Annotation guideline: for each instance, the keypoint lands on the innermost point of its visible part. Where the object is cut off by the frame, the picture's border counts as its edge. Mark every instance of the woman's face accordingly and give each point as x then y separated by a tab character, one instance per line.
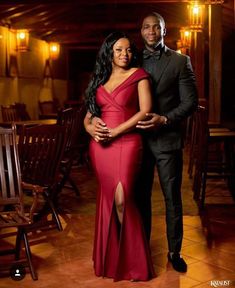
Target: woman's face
122	53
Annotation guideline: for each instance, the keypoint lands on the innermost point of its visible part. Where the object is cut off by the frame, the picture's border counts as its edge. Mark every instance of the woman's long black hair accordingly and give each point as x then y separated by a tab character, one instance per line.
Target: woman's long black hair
103	69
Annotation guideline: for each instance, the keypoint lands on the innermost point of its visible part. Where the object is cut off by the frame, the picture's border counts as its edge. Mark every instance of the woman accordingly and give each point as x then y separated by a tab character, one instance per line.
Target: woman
118	93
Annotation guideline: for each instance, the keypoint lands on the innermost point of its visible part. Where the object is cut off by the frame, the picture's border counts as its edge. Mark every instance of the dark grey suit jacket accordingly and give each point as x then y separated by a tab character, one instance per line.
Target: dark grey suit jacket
174	96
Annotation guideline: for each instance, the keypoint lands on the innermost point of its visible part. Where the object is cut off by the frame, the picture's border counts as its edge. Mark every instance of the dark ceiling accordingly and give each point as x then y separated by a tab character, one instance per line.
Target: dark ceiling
85	23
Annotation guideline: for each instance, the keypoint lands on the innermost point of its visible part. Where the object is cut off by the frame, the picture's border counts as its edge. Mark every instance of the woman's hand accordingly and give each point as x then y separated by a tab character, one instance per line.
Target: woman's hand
96	127
113	133
100	132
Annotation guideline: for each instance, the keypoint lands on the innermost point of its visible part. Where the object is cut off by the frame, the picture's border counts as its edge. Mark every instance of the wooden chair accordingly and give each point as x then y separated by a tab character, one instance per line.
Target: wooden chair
192	142
213	154
9	113
15	112
12	212
22	111
198	119
48	109
41	149
197	150
83	139
72	118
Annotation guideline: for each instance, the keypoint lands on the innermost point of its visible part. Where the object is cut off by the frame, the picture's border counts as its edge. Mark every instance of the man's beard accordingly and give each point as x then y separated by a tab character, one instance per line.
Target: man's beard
154	45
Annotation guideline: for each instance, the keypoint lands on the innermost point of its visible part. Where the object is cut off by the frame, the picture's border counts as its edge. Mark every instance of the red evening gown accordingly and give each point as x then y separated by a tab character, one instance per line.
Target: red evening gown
120	252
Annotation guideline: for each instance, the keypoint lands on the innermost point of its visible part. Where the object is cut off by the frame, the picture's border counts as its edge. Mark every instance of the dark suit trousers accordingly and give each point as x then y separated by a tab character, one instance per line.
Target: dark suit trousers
169	167
143	189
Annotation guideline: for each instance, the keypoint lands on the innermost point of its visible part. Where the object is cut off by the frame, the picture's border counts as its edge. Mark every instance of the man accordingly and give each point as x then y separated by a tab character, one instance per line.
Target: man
175	98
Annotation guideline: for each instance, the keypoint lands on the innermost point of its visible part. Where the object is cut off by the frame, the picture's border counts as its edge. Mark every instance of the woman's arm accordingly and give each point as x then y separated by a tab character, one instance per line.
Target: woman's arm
88	125
145	105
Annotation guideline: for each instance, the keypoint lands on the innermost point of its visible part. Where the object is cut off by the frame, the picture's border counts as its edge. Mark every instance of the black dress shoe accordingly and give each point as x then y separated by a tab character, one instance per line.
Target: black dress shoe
177	262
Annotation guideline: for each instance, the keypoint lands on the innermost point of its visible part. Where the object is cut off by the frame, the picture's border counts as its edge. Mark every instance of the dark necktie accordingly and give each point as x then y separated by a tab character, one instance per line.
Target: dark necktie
147	54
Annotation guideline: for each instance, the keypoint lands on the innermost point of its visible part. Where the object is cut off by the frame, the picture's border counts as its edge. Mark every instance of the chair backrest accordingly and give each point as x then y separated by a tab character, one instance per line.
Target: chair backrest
11	196
201	134
73	118
70	118
22	111
83	136
47	107
9	113
202	127
41	148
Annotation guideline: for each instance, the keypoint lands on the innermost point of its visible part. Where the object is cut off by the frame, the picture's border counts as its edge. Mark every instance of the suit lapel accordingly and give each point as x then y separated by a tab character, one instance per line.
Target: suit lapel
162	63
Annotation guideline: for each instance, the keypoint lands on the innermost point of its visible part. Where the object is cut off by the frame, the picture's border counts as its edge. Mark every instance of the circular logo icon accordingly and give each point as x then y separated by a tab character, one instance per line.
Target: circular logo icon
17	272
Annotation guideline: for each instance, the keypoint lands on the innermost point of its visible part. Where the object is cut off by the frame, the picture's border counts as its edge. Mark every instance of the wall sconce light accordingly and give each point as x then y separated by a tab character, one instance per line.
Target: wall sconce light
196	16
22	40
185	37
179	46
54	50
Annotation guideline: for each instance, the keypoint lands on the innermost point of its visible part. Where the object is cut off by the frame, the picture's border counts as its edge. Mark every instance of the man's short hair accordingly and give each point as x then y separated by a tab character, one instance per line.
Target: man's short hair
158	16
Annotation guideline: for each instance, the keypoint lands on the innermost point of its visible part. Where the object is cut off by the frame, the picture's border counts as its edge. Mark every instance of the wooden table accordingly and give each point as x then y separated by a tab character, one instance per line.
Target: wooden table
48	116
35	122
29	123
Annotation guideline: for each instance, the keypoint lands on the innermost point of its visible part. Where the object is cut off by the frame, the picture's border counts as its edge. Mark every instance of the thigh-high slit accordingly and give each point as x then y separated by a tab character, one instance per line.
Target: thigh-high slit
121	250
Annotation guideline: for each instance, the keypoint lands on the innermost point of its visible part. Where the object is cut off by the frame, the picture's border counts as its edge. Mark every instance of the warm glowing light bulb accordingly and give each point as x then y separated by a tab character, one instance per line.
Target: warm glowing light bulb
195	10
22	40
54	48
186	33
22	35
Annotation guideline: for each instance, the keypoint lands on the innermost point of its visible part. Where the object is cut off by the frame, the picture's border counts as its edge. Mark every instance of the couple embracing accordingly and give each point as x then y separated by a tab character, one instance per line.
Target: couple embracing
135	117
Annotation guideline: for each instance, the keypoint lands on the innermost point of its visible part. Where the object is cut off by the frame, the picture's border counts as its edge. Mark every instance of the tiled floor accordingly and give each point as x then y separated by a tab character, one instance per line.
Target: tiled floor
63	259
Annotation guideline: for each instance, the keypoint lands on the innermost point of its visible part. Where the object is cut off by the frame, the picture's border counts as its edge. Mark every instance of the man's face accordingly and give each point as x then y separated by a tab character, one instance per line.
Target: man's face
152	31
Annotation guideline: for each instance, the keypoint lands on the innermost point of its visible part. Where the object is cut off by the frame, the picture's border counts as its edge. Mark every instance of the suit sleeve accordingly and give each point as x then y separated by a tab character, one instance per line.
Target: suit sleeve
187	93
